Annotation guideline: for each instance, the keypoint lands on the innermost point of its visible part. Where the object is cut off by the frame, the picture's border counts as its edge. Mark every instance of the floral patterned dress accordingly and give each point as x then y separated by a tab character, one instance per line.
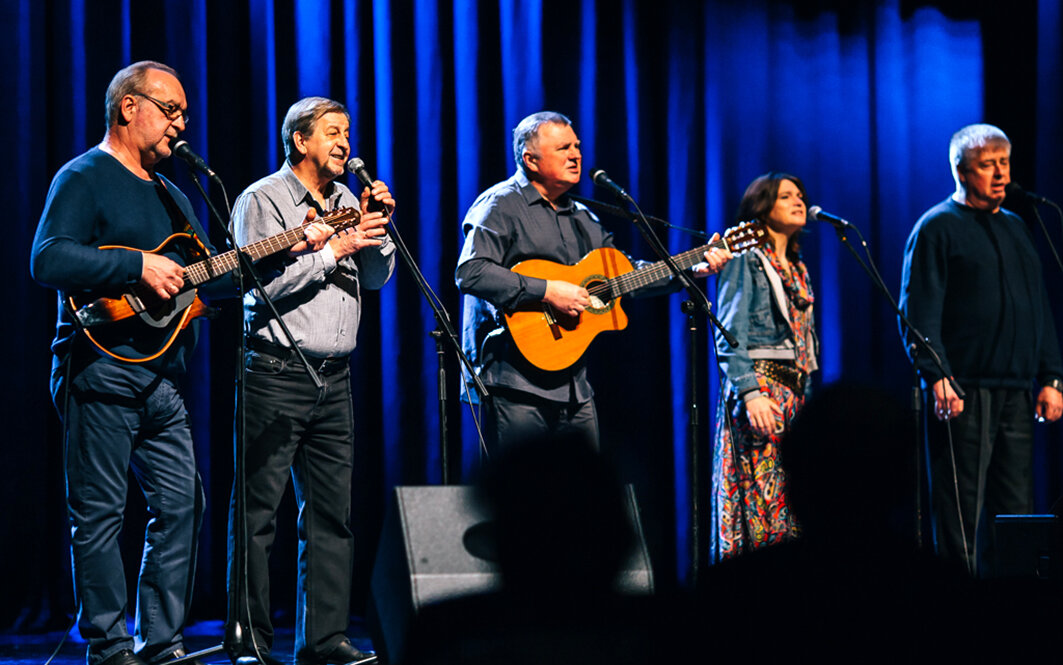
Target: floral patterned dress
752	500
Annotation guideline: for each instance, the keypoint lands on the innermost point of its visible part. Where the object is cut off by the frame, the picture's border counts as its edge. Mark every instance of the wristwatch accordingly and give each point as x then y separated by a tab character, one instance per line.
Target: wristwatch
1054	382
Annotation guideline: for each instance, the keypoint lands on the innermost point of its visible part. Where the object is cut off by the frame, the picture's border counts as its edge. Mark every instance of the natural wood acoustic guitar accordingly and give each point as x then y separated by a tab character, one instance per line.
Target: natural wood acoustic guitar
553	341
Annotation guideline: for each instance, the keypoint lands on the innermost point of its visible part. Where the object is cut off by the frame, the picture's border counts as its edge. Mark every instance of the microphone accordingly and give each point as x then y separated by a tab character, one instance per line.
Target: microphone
184	151
357	167
603	180
820	215
1015	189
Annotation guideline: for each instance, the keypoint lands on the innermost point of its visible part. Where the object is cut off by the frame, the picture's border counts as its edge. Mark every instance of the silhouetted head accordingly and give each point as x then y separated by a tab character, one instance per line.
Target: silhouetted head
560	520
849	458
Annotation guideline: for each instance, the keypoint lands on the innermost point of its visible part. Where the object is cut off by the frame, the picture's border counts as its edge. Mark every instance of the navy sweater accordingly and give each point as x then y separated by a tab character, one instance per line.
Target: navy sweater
972	284
94	201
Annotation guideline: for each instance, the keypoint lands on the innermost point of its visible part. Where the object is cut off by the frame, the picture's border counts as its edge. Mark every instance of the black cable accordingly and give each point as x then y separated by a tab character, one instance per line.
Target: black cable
66	442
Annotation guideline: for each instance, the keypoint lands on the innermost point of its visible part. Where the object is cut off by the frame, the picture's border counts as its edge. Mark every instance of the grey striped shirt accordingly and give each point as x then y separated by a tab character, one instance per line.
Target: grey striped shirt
319	299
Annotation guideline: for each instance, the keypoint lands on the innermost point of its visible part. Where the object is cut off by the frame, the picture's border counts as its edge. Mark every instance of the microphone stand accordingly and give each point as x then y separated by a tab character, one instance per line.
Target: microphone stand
919	343
443	331
623	213
234	635
1044	229
696	301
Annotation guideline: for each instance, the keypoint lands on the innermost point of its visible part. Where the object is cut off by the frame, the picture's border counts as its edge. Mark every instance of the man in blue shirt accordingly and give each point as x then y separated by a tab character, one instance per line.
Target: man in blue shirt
530	216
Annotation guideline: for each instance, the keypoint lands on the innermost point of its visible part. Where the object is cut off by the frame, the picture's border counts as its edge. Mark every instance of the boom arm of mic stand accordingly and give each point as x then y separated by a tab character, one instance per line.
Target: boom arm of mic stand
617	211
696	295
1044	229
444	331
440	314
921	341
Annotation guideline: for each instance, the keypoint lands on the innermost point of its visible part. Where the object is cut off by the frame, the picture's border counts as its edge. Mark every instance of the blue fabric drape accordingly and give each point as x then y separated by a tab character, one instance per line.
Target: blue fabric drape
683	103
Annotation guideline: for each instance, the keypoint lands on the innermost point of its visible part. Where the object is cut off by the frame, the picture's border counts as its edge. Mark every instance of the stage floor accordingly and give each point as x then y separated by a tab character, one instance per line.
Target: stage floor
34	649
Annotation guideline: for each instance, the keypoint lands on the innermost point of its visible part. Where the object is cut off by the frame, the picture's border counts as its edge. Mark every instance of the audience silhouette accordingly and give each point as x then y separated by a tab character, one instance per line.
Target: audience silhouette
562	534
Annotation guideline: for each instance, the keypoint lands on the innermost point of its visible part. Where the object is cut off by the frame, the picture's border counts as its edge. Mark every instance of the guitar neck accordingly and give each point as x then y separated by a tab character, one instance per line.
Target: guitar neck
636	279
220	264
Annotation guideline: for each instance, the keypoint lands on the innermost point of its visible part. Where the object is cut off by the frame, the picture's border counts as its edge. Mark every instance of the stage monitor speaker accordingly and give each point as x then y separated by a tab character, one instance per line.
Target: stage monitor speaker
1028	546
432	548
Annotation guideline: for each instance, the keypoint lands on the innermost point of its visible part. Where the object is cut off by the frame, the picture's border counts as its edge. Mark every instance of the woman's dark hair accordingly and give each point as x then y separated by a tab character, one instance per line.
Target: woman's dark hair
759	199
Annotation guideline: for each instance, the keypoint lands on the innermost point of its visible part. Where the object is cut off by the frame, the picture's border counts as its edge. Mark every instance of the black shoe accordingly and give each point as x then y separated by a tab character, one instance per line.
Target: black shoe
123	657
251	659
344	654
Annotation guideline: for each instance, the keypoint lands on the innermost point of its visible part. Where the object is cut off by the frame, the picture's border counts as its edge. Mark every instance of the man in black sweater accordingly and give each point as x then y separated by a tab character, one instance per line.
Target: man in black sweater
972	285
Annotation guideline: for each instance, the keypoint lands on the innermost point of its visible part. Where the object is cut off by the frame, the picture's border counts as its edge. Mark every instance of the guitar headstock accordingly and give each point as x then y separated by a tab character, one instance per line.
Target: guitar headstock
745	236
342	218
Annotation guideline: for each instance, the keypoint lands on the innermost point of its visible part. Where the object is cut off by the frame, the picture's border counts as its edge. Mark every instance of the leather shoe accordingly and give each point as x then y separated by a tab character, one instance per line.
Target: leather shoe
267	659
123	657
345	653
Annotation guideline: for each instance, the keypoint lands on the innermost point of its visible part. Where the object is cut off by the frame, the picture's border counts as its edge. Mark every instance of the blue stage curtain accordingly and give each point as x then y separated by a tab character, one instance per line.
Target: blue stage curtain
684	103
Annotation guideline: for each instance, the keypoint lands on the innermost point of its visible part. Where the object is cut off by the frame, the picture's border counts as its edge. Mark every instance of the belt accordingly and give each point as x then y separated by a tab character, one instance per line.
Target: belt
332	365
782	372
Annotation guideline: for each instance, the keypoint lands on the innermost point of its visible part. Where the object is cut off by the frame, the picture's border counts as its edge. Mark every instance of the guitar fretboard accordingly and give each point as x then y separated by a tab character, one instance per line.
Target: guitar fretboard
636	279
220	264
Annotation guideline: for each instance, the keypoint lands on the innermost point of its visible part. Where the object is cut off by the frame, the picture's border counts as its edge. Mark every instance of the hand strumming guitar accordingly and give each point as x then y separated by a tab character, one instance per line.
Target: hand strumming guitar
161	274
565	297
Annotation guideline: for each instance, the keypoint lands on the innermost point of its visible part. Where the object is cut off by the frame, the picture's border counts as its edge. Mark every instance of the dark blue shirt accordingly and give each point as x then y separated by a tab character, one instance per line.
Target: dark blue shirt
509	223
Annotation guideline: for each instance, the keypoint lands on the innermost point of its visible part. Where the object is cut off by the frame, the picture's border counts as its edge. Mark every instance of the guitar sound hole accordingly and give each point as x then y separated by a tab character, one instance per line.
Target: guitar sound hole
602	301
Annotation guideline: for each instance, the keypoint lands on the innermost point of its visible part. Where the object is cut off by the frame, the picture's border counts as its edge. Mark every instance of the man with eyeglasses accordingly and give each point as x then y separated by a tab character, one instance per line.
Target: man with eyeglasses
103	208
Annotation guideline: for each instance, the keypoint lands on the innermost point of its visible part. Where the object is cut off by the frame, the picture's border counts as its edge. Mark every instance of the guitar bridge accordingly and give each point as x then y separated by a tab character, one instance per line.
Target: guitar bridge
135	303
552	322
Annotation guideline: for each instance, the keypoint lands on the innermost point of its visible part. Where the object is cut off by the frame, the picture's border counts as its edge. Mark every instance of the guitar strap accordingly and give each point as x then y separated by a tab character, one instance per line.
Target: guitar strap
192	252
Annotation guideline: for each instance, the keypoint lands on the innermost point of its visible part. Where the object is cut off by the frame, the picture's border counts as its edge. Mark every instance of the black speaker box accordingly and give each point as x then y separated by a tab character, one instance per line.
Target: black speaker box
1028	546
431	549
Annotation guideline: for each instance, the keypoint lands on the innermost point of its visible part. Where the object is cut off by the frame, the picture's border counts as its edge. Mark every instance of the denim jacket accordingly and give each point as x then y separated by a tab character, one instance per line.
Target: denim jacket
752	306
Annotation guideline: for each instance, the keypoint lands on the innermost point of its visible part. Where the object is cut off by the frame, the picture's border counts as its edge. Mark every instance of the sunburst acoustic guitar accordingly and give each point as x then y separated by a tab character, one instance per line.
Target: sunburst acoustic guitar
104	317
553	341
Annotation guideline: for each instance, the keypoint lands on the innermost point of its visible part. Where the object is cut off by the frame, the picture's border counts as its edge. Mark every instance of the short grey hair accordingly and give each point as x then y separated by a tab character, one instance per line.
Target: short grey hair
302	117
527	131
127	81
974	138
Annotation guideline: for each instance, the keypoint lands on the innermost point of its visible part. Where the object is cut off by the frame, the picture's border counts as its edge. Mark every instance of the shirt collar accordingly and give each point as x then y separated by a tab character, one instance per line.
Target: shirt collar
533	196
300	194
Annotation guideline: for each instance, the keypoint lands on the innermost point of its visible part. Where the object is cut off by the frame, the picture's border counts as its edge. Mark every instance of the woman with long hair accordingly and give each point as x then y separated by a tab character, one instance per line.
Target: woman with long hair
765	300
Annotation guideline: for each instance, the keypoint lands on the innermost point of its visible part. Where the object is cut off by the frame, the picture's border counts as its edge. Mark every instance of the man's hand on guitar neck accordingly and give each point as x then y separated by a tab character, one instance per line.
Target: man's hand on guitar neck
566	298
162	275
715	259
368	233
316	236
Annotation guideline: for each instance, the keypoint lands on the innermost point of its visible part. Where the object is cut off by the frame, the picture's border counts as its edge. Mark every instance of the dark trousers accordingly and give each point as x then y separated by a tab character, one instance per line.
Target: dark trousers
993	444
120	418
293	428
511	417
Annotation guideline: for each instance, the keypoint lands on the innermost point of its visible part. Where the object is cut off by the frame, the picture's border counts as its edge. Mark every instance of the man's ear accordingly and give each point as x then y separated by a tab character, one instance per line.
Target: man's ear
127	109
530	161
299	141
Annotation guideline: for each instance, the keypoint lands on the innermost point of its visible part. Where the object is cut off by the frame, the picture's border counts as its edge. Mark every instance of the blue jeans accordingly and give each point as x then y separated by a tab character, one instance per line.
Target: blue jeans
293	429
119	418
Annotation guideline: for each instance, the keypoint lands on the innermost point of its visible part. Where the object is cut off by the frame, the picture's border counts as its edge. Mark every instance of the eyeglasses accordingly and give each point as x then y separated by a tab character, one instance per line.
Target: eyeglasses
171	111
